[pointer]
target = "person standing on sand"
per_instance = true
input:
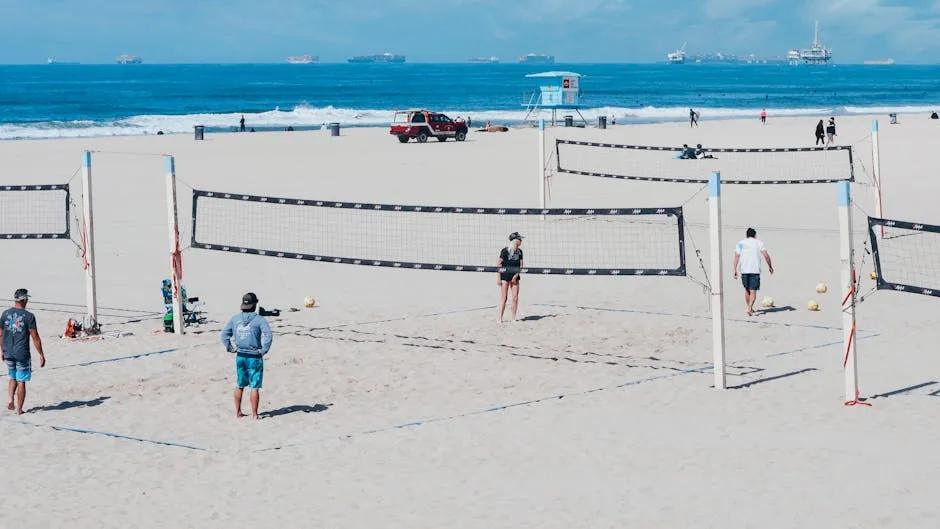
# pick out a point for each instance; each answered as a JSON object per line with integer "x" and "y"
{"x": 747, "y": 255}
{"x": 241, "y": 124}
{"x": 763, "y": 116}
{"x": 248, "y": 335}
{"x": 510, "y": 258}
{"x": 831, "y": 131}
{"x": 693, "y": 118}
{"x": 17, "y": 326}
{"x": 820, "y": 133}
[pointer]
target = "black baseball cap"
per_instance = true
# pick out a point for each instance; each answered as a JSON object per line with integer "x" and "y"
{"x": 21, "y": 295}
{"x": 249, "y": 301}
{"x": 515, "y": 235}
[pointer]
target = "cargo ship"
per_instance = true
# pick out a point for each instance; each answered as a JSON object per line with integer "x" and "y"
{"x": 484, "y": 60}
{"x": 385, "y": 58}
{"x": 303, "y": 59}
{"x": 537, "y": 58}
{"x": 129, "y": 59}
{"x": 880, "y": 62}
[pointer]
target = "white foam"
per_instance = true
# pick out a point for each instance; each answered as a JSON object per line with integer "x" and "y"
{"x": 308, "y": 116}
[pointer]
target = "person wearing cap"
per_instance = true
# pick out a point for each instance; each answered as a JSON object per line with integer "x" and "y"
{"x": 510, "y": 258}
{"x": 17, "y": 327}
{"x": 248, "y": 335}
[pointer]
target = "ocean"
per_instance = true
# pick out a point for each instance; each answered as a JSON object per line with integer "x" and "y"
{"x": 52, "y": 101}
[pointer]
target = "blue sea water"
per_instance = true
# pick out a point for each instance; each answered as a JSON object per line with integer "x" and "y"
{"x": 97, "y": 100}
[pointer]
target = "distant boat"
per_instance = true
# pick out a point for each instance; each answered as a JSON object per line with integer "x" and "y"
{"x": 385, "y": 58}
{"x": 883, "y": 62}
{"x": 676, "y": 57}
{"x": 537, "y": 58}
{"x": 129, "y": 59}
{"x": 55, "y": 61}
{"x": 793, "y": 57}
{"x": 485, "y": 60}
{"x": 303, "y": 59}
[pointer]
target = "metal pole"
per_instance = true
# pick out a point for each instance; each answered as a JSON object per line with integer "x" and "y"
{"x": 846, "y": 253}
{"x": 176, "y": 268}
{"x": 88, "y": 243}
{"x": 717, "y": 294}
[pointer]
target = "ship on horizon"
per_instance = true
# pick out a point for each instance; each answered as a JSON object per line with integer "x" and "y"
{"x": 484, "y": 60}
{"x": 50, "y": 60}
{"x": 676, "y": 57}
{"x": 303, "y": 59}
{"x": 880, "y": 62}
{"x": 537, "y": 58}
{"x": 385, "y": 58}
{"x": 129, "y": 59}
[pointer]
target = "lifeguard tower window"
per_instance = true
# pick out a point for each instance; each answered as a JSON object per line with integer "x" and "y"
{"x": 418, "y": 117}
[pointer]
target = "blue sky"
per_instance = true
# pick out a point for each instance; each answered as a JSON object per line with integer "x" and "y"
{"x": 453, "y": 30}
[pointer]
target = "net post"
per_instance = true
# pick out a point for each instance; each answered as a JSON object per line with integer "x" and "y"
{"x": 846, "y": 255}
{"x": 542, "y": 164}
{"x": 176, "y": 272}
{"x": 88, "y": 241}
{"x": 876, "y": 170}
{"x": 717, "y": 293}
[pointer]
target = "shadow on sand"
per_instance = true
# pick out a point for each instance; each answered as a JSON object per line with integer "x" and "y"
{"x": 297, "y": 408}
{"x": 70, "y": 404}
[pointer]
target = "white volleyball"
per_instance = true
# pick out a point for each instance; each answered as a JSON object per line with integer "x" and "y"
{"x": 812, "y": 305}
{"x": 767, "y": 302}
{"x": 822, "y": 288}
{"x": 309, "y": 302}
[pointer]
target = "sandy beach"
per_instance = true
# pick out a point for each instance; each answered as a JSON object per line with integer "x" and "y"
{"x": 399, "y": 402}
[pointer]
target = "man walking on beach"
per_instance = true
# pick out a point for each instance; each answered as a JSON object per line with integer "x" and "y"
{"x": 693, "y": 118}
{"x": 17, "y": 326}
{"x": 248, "y": 335}
{"x": 747, "y": 255}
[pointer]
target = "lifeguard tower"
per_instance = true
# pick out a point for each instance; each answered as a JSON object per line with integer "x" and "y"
{"x": 562, "y": 92}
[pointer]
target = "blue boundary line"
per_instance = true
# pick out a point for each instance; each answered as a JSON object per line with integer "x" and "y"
{"x": 414, "y": 424}
{"x": 106, "y": 434}
{"x": 129, "y": 357}
{"x": 692, "y": 316}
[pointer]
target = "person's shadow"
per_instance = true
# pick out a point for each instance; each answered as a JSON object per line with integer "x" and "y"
{"x": 296, "y": 408}
{"x": 70, "y": 404}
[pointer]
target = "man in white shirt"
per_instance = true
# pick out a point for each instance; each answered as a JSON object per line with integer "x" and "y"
{"x": 747, "y": 255}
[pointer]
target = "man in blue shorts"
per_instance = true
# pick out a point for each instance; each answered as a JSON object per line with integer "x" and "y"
{"x": 17, "y": 327}
{"x": 248, "y": 335}
{"x": 747, "y": 255}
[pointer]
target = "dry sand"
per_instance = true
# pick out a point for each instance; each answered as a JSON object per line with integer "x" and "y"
{"x": 400, "y": 403}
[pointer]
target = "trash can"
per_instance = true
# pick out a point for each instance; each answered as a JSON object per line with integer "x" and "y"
{"x": 569, "y": 121}
{"x": 200, "y": 132}
{"x": 894, "y": 118}
{"x": 602, "y": 122}
{"x": 334, "y": 129}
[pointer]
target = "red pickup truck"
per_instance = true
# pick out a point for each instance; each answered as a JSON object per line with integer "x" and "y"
{"x": 423, "y": 124}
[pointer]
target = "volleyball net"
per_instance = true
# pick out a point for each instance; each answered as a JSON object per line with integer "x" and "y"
{"x": 792, "y": 165}
{"x": 624, "y": 241}
{"x": 35, "y": 211}
{"x": 907, "y": 256}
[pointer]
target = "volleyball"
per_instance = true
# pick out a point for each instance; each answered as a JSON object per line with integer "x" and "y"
{"x": 767, "y": 303}
{"x": 822, "y": 288}
{"x": 874, "y": 276}
{"x": 812, "y": 305}
{"x": 309, "y": 302}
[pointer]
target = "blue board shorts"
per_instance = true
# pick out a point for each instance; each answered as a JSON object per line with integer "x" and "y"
{"x": 249, "y": 371}
{"x": 751, "y": 281}
{"x": 19, "y": 370}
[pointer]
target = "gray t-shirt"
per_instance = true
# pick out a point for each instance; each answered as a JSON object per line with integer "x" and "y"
{"x": 16, "y": 326}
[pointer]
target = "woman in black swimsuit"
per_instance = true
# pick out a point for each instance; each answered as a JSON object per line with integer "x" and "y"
{"x": 510, "y": 258}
